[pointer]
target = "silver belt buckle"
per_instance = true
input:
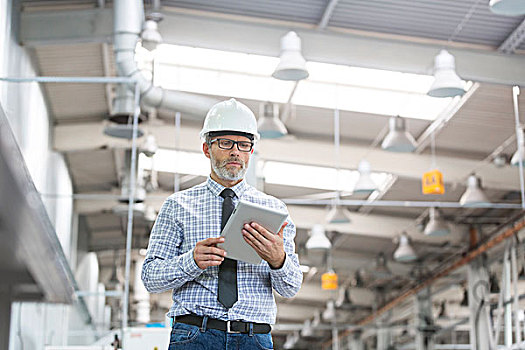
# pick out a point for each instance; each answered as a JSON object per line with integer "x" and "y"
{"x": 228, "y": 330}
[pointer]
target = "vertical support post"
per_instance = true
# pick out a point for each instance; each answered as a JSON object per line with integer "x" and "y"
{"x": 5, "y": 316}
{"x": 383, "y": 333}
{"x": 125, "y": 299}
{"x": 424, "y": 320}
{"x": 507, "y": 320}
{"x": 519, "y": 141}
{"x": 478, "y": 293}
{"x": 176, "y": 175}
{"x": 356, "y": 341}
{"x": 335, "y": 336}
{"x": 514, "y": 269}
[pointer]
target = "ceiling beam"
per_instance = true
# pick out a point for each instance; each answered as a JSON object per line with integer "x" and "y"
{"x": 514, "y": 40}
{"x": 254, "y": 35}
{"x": 89, "y": 136}
{"x": 328, "y": 11}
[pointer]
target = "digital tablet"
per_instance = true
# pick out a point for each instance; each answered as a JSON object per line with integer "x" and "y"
{"x": 246, "y": 212}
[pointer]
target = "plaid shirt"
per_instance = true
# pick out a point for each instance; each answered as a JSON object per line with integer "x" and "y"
{"x": 192, "y": 215}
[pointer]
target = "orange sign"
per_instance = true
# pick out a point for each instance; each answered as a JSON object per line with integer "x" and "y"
{"x": 433, "y": 182}
{"x": 329, "y": 281}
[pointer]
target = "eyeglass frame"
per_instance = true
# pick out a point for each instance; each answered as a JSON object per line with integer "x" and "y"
{"x": 234, "y": 143}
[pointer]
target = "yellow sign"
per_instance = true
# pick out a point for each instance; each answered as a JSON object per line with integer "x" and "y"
{"x": 433, "y": 182}
{"x": 329, "y": 280}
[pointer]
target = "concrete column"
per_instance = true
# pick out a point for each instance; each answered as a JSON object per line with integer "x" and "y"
{"x": 478, "y": 296}
{"x": 355, "y": 342}
{"x": 424, "y": 321}
{"x": 384, "y": 336}
{"x": 5, "y": 316}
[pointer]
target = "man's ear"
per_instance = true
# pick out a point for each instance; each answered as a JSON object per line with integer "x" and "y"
{"x": 206, "y": 149}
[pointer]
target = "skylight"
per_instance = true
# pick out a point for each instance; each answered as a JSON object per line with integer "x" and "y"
{"x": 241, "y": 75}
{"x": 279, "y": 173}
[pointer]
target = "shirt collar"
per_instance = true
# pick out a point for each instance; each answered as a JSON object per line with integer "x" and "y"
{"x": 216, "y": 188}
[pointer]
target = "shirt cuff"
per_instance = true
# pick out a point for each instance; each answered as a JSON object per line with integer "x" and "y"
{"x": 189, "y": 266}
{"x": 284, "y": 270}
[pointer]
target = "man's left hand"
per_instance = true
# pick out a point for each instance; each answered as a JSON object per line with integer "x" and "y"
{"x": 268, "y": 245}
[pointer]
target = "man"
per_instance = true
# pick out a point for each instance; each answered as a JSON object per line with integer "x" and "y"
{"x": 220, "y": 303}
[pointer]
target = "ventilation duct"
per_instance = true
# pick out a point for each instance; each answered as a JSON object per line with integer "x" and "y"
{"x": 128, "y": 19}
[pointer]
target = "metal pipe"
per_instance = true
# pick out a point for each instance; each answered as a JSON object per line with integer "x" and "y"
{"x": 471, "y": 255}
{"x": 128, "y": 18}
{"x": 508, "y": 307}
{"x": 176, "y": 176}
{"x": 500, "y": 297}
{"x": 412, "y": 204}
{"x": 519, "y": 141}
{"x": 131, "y": 198}
{"x": 514, "y": 272}
{"x": 86, "y": 80}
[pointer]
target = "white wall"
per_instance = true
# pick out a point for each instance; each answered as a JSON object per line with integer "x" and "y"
{"x": 34, "y": 325}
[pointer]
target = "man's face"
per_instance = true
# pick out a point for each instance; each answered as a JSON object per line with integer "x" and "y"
{"x": 232, "y": 164}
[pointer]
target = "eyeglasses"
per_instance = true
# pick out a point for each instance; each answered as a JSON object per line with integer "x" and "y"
{"x": 243, "y": 146}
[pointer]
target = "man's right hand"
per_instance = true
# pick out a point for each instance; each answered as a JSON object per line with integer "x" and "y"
{"x": 206, "y": 253}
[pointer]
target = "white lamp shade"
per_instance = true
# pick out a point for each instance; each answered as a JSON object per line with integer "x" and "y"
{"x": 398, "y": 138}
{"x": 318, "y": 239}
{"x": 338, "y": 215}
{"x": 404, "y": 251}
{"x": 446, "y": 82}
{"x": 507, "y": 7}
{"x": 329, "y": 313}
{"x": 269, "y": 124}
{"x": 307, "y": 330}
{"x": 474, "y": 194}
{"x": 436, "y": 225}
{"x": 150, "y": 35}
{"x": 515, "y": 160}
{"x": 364, "y": 183}
{"x": 292, "y": 65}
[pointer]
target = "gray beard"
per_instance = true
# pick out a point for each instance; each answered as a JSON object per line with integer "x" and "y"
{"x": 225, "y": 174}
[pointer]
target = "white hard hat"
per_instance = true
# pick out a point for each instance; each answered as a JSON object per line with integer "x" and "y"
{"x": 230, "y": 115}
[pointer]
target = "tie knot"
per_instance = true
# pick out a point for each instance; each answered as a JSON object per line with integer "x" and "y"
{"x": 227, "y": 192}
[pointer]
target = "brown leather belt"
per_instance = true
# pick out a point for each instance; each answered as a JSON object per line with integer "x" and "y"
{"x": 226, "y": 326}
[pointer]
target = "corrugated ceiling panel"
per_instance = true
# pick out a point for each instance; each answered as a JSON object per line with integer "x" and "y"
{"x": 486, "y": 121}
{"x": 74, "y": 60}
{"x": 309, "y": 11}
{"x": 426, "y": 18}
{"x": 92, "y": 170}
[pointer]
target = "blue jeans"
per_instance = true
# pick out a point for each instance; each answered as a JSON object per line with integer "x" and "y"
{"x": 187, "y": 337}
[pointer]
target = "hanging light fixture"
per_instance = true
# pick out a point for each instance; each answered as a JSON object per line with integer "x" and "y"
{"x": 494, "y": 285}
{"x": 292, "y": 65}
{"x": 121, "y": 118}
{"x": 149, "y": 147}
{"x": 404, "y": 251}
{"x": 381, "y": 270}
{"x": 150, "y": 35}
{"x": 446, "y": 82}
{"x": 464, "y": 301}
{"x": 307, "y": 330}
{"x": 443, "y": 315}
{"x": 436, "y": 225}
{"x": 515, "y": 160}
{"x": 343, "y": 300}
{"x": 474, "y": 194}
{"x": 359, "y": 278}
{"x": 329, "y": 313}
{"x": 364, "y": 184}
{"x": 398, "y": 138}
{"x": 269, "y": 124}
{"x": 338, "y": 215}
{"x": 291, "y": 340}
{"x": 507, "y": 7}
{"x": 318, "y": 239}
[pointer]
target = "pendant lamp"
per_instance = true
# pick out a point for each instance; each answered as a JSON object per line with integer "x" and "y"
{"x": 474, "y": 194}
{"x": 507, "y": 7}
{"x": 446, "y": 82}
{"x": 269, "y": 124}
{"x": 364, "y": 183}
{"x": 436, "y": 225}
{"x": 404, "y": 251}
{"x": 292, "y": 65}
{"x": 398, "y": 138}
{"x": 318, "y": 239}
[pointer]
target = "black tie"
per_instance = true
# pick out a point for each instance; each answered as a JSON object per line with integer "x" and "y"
{"x": 227, "y": 290}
